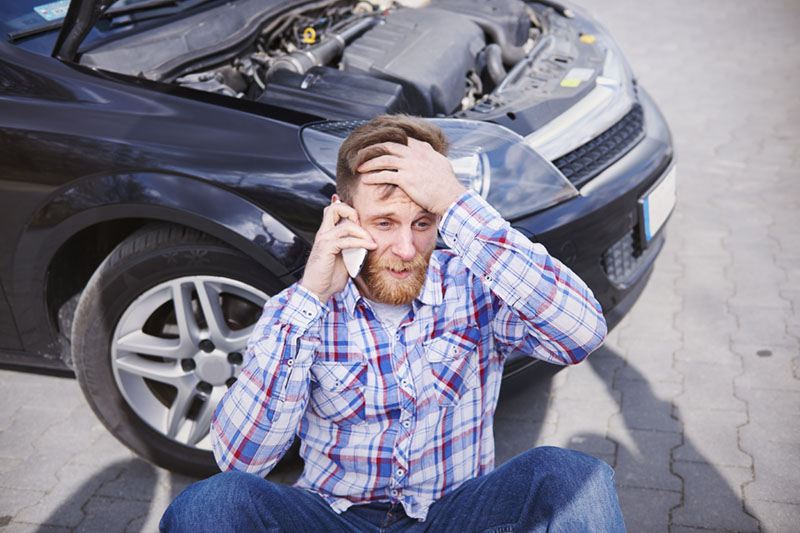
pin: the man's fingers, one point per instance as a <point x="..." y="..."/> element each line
<point x="383" y="162"/>
<point x="328" y="219"/>
<point x="414" y="143"/>
<point x="388" y="147"/>
<point x="357" y="232"/>
<point x="345" y="212"/>
<point x="335" y="213"/>
<point x="381" y="177"/>
<point x="350" y="235"/>
<point x="354" y="242"/>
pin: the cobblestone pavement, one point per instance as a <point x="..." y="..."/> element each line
<point x="695" y="398"/>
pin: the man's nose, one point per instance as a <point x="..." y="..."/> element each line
<point x="403" y="246"/>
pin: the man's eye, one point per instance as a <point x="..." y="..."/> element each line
<point x="383" y="224"/>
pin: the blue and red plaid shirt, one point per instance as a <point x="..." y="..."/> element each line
<point x="404" y="416"/>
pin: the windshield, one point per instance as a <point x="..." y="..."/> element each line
<point x="34" y="24"/>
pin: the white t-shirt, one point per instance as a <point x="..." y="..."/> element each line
<point x="390" y="315"/>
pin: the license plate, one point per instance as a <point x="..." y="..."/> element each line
<point x="656" y="205"/>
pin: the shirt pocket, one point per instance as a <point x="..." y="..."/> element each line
<point x="337" y="391"/>
<point x="453" y="364"/>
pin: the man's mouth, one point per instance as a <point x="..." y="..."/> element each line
<point x="399" y="274"/>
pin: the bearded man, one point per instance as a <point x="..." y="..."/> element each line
<point x="391" y="379"/>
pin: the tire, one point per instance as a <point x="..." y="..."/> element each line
<point x="151" y="373"/>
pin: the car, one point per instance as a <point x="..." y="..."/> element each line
<point x="165" y="165"/>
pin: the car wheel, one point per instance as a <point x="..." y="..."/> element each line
<point x="159" y="335"/>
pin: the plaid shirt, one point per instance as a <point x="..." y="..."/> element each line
<point x="404" y="416"/>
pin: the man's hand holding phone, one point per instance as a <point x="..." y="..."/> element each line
<point x="339" y="241"/>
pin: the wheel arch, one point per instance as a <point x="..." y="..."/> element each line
<point x="157" y="398"/>
<point x="81" y="223"/>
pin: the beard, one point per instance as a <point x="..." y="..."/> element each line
<point x="388" y="290"/>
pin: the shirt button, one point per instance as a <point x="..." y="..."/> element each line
<point x="400" y="472"/>
<point x="406" y="424"/>
<point x="395" y="492"/>
<point x="404" y="383"/>
<point x="290" y="362"/>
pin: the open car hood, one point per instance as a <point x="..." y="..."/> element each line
<point x="81" y="17"/>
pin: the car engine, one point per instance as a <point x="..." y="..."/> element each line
<point x="346" y="59"/>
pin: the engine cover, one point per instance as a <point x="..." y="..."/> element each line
<point x="428" y="51"/>
<point x="508" y="19"/>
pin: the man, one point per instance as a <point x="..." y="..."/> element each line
<point x="391" y="379"/>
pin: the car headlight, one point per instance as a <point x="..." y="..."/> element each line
<point x="486" y="157"/>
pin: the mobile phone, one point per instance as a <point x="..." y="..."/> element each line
<point x="353" y="258"/>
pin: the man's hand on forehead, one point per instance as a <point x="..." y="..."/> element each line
<point x="424" y="174"/>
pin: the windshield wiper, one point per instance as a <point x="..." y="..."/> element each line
<point x="157" y="7"/>
<point x="118" y="8"/>
<point x="154" y="9"/>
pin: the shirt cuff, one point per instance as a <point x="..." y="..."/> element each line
<point x="469" y="217"/>
<point x="302" y="309"/>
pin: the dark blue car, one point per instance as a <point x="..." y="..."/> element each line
<point x="164" y="165"/>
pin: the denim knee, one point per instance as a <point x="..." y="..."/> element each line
<point x="235" y="482"/>
<point x="559" y="459"/>
<point x="206" y="502"/>
<point x="226" y="488"/>
<point x="565" y="490"/>
<point x="551" y="470"/>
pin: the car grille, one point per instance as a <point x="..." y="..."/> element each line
<point x="623" y="261"/>
<point x="588" y="160"/>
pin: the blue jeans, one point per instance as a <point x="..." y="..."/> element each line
<point x="544" y="489"/>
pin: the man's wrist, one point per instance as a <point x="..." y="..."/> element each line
<point x="304" y="307"/>
<point x="450" y="198"/>
<point x="320" y="296"/>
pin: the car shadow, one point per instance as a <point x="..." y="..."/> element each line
<point x="115" y="498"/>
<point x="523" y="416"/>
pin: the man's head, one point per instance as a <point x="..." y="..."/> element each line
<point x="405" y="233"/>
<point x="356" y="150"/>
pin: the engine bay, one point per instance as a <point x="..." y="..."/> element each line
<point x="346" y="59"/>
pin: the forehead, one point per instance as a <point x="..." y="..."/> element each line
<point x="372" y="200"/>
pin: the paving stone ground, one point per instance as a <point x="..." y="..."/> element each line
<point x="694" y="399"/>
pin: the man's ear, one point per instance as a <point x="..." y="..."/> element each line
<point x="335" y="198"/>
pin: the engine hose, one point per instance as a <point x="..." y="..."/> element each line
<point x="324" y="52"/>
<point x="511" y="54"/>
<point x="494" y="63"/>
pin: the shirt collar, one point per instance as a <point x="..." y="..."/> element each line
<point x="431" y="293"/>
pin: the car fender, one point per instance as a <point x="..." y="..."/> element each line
<point x="180" y="199"/>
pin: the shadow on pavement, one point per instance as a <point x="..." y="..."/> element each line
<point x="522" y="414"/>
<point x="112" y="499"/>
<point x="121" y="495"/>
